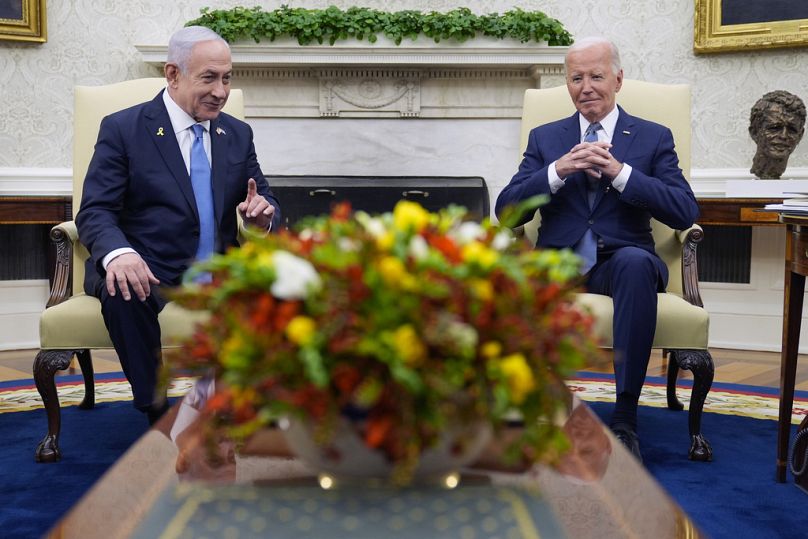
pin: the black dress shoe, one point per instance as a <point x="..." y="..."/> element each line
<point x="155" y="412"/>
<point x="628" y="437"/>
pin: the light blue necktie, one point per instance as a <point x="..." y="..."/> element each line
<point x="587" y="246"/>
<point x="200" y="179"/>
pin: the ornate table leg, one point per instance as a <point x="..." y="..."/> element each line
<point x="792" y="317"/>
<point x="46" y="364"/>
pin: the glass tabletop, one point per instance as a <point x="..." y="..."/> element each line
<point x="168" y="484"/>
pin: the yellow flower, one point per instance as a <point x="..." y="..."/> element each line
<point x="518" y="376"/>
<point x="394" y="273"/>
<point x="235" y="352"/>
<point x="491" y="349"/>
<point x="264" y="260"/>
<point x="478" y="253"/>
<point x="410" y="216"/>
<point x="301" y="330"/>
<point x="482" y="289"/>
<point x="408" y="345"/>
<point x="385" y="241"/>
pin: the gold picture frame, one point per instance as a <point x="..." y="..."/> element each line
<point x="23" y="20"/>
<point x="712" y="35"/>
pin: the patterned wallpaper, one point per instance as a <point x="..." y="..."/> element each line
<point x="92" y="42"/>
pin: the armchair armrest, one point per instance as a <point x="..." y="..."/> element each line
<point x="63" y="235"/>
<point x="690" y="238"/>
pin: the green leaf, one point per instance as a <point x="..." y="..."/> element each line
<point x="333" y="24"/>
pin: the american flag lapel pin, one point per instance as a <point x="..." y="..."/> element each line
<point x="626" y="132"/>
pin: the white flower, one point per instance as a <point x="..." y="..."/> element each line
<point x="468" y="232"/>
<point x="295" y="276"/>
<point x="348" y="245"/>
<point x="374" y="225"/>
<point x="502" y="240"/>
<point x="418" y="248"/>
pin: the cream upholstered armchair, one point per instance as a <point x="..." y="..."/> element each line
<point x="72" y="324"/>
<point x="682" y="322"/>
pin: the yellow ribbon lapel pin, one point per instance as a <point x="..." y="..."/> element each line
<point x="160" y="132"/>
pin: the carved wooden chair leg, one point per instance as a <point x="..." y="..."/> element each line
<point x="86" y="363"/>
<point x="46" y="363"/>
<point x="700" y="363"/>
<point x="673" y="374"/>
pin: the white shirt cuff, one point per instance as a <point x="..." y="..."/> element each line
<point x="619" y="182"/>
<point x="115" y="253"/>
<point x="555" y="182"/>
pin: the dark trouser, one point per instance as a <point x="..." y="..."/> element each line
<point x="135" y="333"/>
<point x="632" y="277"/>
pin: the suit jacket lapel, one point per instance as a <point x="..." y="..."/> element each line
<point x="161" y="132"/>
<point x="624" y="135"/>
<point x="218" y="178"/>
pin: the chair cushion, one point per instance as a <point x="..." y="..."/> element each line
<point x="77" y="324"/>
<point x="679" y="323"/>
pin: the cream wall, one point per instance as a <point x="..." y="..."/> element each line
<point x="91" y="42"/>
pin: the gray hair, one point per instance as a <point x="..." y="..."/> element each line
<point x="183" y="41"/>
<point x="586" y="42"/>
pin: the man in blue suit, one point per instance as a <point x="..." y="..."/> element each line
<point x="607" y="173"/>
<point x="162" y="191"/>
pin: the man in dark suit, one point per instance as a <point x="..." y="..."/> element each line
<point x="607" y="173"/>
<point x="162" y="191"/>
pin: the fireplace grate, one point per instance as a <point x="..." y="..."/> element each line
<point x="302" y="196"/>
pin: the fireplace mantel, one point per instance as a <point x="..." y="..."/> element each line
<point x="480" y="78"/>
<point x="477" y="52"/>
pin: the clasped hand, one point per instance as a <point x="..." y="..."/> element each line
<point x="593" y="158"/>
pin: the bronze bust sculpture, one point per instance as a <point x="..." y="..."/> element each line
<point x="776" y="124"/>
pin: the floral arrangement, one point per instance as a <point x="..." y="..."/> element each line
<point x="417" y="320"/>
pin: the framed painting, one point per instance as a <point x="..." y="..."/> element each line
<point x="735" y="25"/>
<point x="23" y="20"/>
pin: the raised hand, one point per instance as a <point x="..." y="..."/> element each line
<point x="256" y="210"/>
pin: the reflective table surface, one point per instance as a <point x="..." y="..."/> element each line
<point x="167" y="481"/>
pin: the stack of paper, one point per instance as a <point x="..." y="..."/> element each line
<point x="797" y="204"/>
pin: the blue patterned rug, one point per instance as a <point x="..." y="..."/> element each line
<point x="735" y="496"/>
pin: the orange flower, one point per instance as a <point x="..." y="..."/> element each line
<point x="263" y="310"/>
<point x="378" y="429"/>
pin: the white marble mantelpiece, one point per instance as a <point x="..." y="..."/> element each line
<point x="481" y="78"/>
<point x="477" y="52"/>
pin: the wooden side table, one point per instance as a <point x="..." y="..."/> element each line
<point x="37" y="210"/>
<point x="736" y="211"/>
<point x="796" y="268"/>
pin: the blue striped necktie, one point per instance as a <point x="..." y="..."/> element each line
<point x="587" y="246"/>
<point x="203" y="193"/>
